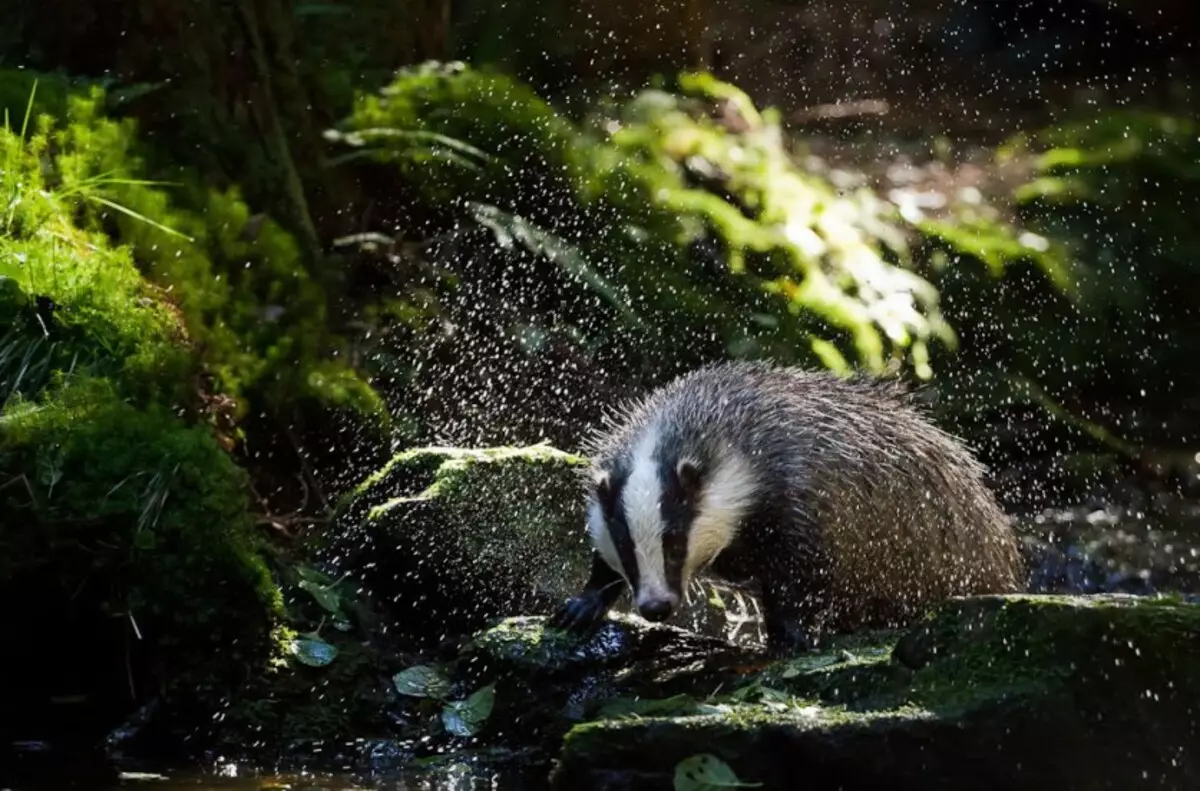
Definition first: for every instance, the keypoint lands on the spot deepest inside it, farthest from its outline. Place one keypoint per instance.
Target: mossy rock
(447, 539)
(465, 131)
(129, 531)
(997, 692)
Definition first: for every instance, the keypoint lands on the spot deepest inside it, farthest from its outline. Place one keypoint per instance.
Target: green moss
(455, 131)
(126, 522)
(130, 518)
(986, 648)
(236, 280)
(1022, 641)
(69, 301)
(432, 472)
(525, 642)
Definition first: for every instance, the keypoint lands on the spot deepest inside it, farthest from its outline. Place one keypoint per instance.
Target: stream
(450, 776)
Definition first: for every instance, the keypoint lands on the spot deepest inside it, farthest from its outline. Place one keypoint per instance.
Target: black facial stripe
(678, 513)
(618, 528)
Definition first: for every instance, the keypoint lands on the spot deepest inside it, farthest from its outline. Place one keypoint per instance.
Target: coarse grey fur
(862, 512)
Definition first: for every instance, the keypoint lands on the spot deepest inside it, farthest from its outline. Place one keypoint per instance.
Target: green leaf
(706, 772)
(464, 717)
(775, 695)
(309, 574)
(313, 651)
(421, 681)
(326, 596)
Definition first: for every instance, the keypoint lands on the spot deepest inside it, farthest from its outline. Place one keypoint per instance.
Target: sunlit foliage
(673, 220)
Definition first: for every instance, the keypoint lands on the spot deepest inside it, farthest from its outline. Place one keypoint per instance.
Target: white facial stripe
(641, 501)
(728, 494)
(595, 521)
(601, 540)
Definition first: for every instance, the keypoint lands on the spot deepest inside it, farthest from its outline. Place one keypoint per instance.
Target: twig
(304, 468)
(129, 657)
(840, 110)
(28, 487)
(1094, 430)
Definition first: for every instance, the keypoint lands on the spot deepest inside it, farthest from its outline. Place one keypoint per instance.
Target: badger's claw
(579, 614)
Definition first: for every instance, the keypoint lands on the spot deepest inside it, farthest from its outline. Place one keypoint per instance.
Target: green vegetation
(1122, 190)
(69, 301)
(1083, 338)
(795, 270)
(119, 516)
(681, 213)
(121, 505)
(139, 516)
(176, 335)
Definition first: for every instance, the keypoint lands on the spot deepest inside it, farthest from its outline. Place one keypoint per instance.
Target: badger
(834, 496)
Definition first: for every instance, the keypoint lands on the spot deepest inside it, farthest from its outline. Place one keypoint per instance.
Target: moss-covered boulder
(995, 692)
(129, 554)
(445, 539)
(130, 561)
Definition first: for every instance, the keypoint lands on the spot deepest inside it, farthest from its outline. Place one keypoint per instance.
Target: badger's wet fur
(835, 496)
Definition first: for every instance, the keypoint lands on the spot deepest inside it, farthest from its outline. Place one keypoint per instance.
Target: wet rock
(1026, 692)
(547, 681)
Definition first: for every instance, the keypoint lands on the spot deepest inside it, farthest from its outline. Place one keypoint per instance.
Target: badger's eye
(688, 473)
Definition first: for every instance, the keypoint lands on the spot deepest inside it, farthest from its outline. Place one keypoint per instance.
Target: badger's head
(665, 510)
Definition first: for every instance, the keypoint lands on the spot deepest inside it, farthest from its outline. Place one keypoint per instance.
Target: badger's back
(905, 515)
(899, 507)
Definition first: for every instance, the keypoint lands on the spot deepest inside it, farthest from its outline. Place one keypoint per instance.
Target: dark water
(375, 766)
(452, 777)
(1142, 545)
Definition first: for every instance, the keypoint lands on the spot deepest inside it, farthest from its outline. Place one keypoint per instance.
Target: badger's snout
(657, 608)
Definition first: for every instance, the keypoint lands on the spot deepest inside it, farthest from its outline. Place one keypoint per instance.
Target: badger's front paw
(580, 614)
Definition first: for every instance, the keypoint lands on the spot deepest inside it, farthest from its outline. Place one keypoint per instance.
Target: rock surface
(547, 682)
(1003, 692)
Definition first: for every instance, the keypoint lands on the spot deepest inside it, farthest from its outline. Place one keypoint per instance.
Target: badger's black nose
(655, 609)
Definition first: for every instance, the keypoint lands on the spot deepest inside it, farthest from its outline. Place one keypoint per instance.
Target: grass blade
(138, 216)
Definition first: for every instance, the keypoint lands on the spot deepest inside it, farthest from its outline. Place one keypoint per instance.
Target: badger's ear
(688, 472)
